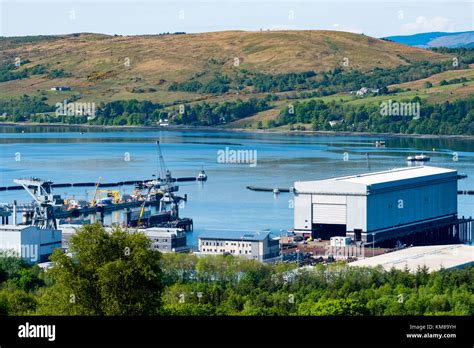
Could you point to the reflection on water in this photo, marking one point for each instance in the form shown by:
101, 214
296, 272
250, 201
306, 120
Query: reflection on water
65, 155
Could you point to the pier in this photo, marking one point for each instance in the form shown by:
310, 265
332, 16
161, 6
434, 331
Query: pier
92, 184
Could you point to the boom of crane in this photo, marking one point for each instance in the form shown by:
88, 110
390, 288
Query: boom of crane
166, 180
94, 199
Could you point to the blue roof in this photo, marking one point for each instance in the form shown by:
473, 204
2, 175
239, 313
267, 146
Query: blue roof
234, 235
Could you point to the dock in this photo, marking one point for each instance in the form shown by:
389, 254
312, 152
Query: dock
92, 184
268, 189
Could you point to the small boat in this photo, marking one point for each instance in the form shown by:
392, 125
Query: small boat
201, 176
380, 143
105, 201
418, 158
276, 190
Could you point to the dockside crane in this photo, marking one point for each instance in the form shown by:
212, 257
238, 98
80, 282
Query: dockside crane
94, 201
45, 202
166, 181
167, 187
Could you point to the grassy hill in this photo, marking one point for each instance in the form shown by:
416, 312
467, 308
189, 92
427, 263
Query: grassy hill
95, 66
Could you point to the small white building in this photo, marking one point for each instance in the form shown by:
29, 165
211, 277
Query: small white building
61, 88
364, 90
252, 245
163, 122
31, 243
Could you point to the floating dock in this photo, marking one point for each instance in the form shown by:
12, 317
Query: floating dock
92, 184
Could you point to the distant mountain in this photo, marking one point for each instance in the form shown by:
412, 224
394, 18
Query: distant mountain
436, 39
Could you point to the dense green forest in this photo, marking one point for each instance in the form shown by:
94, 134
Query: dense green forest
325, 83
24, 108
118, 274
134, 112
209, 114
447, 118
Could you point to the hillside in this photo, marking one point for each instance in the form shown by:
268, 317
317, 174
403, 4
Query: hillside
436, 94
95, 66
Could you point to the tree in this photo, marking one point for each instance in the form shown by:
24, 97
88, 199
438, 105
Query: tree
114, 273
332, 307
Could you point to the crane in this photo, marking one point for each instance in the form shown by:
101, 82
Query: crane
93, 202
44, 200
166, 181
142, 210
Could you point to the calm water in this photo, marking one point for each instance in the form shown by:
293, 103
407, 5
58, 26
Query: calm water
66, 155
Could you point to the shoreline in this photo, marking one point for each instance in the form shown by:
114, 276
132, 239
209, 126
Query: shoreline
236, 130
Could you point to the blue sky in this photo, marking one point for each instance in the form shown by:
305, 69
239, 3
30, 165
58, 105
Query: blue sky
374, 18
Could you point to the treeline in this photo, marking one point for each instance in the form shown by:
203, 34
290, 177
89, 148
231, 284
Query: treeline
133, 112
127, 112
24, 108
464, 55
11, 72
144, 113
122, 112
324, 83
118, 273
276, 83
453, 81
231, 286
218, 84
11, 41
455, 117
210, 114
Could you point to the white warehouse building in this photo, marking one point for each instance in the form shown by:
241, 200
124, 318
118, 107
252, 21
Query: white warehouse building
31, 243
376, 207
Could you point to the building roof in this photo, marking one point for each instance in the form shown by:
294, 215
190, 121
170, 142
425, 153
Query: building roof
363, 183
14, 228
434, 257
162, 231
396, 174
253, 236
